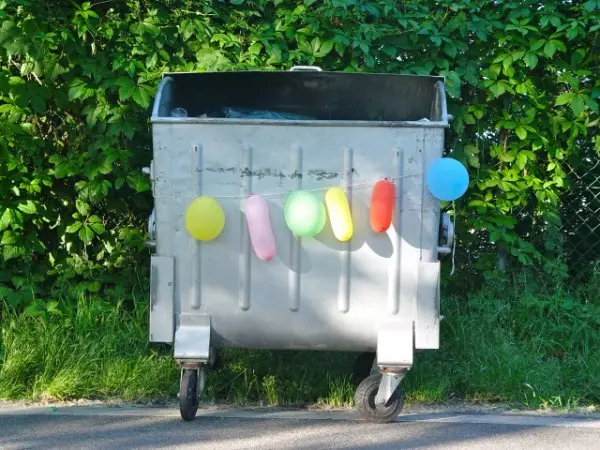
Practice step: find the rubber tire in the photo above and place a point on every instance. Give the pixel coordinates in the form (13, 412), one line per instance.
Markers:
(364, 399)
(362, 367)
(188, 394)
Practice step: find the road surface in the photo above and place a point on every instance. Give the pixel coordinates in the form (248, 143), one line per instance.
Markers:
(102, 427)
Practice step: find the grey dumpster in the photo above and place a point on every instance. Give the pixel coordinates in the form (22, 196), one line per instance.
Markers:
(376, 292)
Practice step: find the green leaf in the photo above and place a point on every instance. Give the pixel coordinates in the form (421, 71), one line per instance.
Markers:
(497, 89)
(82, 207)
(86, 234)
(538, 44)
(521, 160)
(522, 134)
(563, 99)
(521, 89)
(95, 224)
(255, 48)
(592, 104)
(315, 44)
(126, 88)
(93, 114)
(74, 227)
(450, 49)
(531, 60)
(555, 20)
(7, 219)
(28, 207)
(549, 49)
(13, 251)
(453, 84)
(62, 170)
(578, 105)
(9, 237)
(141, 97)
(79, 90)
(325, 48)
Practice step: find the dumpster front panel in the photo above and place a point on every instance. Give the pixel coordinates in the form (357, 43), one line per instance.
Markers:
(316, 293)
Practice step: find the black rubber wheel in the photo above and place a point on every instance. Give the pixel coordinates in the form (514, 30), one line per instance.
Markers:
(362, 367)
(188, 394)
(364, 399)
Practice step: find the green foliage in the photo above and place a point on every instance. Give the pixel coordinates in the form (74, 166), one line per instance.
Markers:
(77, 80)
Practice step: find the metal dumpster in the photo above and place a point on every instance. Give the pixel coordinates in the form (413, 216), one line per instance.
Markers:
(377, 292)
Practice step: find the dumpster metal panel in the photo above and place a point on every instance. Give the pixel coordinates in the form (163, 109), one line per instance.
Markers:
(293, 301)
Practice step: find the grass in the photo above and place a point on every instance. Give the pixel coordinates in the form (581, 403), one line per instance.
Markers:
(504, 344)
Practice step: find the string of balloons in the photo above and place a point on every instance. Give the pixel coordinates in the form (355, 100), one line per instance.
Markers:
(306, 214)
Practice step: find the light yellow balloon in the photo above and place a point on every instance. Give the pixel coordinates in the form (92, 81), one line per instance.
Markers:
(204, 218)
(339, 213)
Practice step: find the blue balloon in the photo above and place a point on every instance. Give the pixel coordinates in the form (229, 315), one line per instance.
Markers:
(447, 179)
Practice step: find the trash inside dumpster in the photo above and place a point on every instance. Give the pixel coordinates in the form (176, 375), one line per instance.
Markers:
(306, 216)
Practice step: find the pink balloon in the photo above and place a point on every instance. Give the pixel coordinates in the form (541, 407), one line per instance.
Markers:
(259, 227)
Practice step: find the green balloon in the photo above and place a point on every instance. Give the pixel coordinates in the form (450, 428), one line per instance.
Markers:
(304, 214)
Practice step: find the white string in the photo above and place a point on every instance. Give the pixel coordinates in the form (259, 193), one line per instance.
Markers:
(454, 239)
(277, 194)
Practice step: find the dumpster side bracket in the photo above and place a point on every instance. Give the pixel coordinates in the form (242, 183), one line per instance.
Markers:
(161, 298)
(395, 348)
(192, 338)
(395, 345)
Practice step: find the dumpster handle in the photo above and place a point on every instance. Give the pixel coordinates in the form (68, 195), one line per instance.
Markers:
(306, 69)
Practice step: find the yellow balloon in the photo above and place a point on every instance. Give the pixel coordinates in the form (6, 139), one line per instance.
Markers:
(204, 218)
(339, 213)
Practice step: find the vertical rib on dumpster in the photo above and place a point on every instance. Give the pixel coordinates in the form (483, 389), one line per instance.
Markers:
(295, 242)
(395, 261)
(245, 262)
(345, 253)
(196, 266)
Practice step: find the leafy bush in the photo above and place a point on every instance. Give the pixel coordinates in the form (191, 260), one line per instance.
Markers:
(76, 81)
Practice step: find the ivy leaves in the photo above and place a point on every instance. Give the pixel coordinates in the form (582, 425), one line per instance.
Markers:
(77, 81)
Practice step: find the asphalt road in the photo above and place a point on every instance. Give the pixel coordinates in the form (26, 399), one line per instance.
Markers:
(98, 428)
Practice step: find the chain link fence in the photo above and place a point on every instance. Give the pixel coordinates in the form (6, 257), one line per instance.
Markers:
(570, 235)
(580, 218)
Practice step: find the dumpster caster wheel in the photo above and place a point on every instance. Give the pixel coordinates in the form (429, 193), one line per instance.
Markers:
(188, 394)
(369, 410)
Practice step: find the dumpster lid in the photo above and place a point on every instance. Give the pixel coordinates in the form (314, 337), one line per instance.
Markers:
(318, 96)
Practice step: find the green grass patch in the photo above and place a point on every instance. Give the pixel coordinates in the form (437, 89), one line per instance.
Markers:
(86, 349)
(503, 345)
